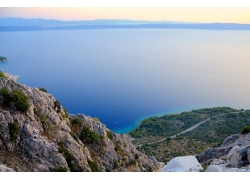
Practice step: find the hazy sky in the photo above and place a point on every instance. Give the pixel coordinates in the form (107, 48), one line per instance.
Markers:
(185, 14)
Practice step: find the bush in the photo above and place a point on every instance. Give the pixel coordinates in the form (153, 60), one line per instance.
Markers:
(89, 136)
(60, 169)
(43, 89)
(57, 105)
(96, 119)
(2, 75)
(93, 166)
(136, 156)
(69, 158)
(5, 96)
(110, 134)
(76, 125)
(245, 130)
(13, 131)
(21, 101)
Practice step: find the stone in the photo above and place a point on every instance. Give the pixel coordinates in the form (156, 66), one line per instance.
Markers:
(5, 169)
(216, 168)
(232, 151)
(239, 156)
(183, 164)
(223, 168)
(43, 140)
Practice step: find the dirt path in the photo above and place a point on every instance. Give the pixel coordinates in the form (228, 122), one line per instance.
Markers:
(189, 129)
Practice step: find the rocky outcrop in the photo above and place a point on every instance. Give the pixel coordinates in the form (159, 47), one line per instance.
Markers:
(227, 145)
(232, 156)
(5, 169)
(183, 164)
(49, 139)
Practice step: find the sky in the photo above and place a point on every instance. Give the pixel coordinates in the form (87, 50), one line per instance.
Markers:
(230, 11)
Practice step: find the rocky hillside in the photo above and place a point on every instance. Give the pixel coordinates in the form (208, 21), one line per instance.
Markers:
(232, 155)
(37, 134)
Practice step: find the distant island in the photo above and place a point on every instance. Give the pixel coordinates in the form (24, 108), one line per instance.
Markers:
(20, 24)
(3, 59)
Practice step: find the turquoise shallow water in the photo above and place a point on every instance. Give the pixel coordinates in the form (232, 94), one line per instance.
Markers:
(122, 76)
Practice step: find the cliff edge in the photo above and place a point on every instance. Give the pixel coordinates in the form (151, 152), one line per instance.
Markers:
(46, 138)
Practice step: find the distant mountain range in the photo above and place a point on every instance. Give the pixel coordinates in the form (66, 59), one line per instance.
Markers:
(20, 24)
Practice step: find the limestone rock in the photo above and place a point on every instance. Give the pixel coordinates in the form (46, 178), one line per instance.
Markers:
(224, 149)
(183, 164)
(5, 169)
(239, 156)
(223, 168)
(46, 141)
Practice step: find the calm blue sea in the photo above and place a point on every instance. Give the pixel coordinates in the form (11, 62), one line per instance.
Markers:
(122, 76)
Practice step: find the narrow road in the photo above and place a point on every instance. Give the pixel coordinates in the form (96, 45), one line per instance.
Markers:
(189, 129)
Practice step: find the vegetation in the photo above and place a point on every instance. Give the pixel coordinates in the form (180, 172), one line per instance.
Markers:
(13, 131)
(110, 134)
(21, 100)
(93, 166)
(76, 125)
(96, 119)
(2, 75)
(60, 169)
(73, 166)
(5, 96)
(65, 114)
(57, 106)
(245, 130)
(43, 89)
(209, 134)
(89, 136)
(49, 130)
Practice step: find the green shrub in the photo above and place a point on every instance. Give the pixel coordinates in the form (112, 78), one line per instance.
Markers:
(2, 75)
(73, 166)
(21, 101)
(245, 130)
(76, 125)
(93, 166)
(43, 89)
(57, 105)
(116, 148)
(13, 131)
(89, 136)
(5, 96)
(74, 136)
(65, 114)
(96, 119)
(110, 134)
(60, 169)
(136, 156)
(115, 164)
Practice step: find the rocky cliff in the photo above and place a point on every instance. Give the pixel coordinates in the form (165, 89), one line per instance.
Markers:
(46, 138)
(232, 156)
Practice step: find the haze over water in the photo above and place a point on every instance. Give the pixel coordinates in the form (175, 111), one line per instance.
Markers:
(124, 75)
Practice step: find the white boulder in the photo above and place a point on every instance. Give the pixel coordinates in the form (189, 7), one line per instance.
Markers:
(183, 164)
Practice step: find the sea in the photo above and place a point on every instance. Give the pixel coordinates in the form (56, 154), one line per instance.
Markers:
(123, 76)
